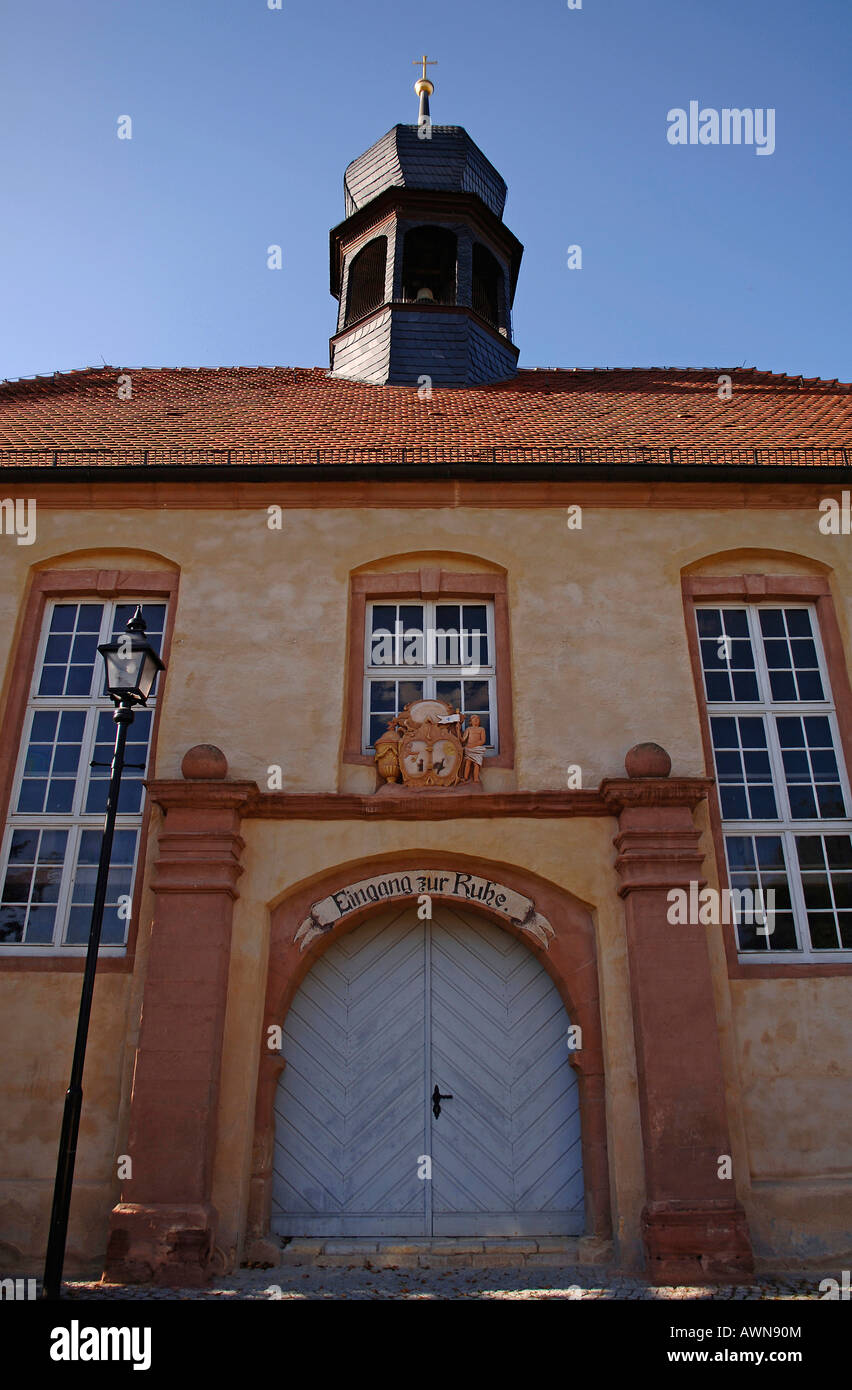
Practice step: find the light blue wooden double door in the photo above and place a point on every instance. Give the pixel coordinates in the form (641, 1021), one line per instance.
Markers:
(392, 1010)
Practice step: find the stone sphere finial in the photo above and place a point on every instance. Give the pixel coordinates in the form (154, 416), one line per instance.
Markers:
(204, 763)
(647, 760)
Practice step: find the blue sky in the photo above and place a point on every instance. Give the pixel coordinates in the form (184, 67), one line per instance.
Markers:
(152, 251)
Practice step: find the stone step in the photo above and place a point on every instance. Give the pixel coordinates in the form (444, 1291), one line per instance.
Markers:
(439, 1252)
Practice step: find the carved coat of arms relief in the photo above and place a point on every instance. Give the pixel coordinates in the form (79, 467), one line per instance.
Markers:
(423, 745)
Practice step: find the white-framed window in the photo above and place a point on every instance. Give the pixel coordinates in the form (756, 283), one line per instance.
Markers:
(783, 786)
(429, 649)
(52, 839)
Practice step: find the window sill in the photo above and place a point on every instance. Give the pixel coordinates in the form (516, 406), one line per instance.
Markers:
(747, 968)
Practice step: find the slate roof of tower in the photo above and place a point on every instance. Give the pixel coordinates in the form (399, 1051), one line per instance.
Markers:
(303, 408)
(448, 162)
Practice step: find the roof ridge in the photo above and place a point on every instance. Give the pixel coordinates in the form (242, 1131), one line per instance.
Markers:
(101, 369)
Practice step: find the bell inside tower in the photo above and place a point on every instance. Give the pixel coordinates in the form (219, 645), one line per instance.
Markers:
(429, 265)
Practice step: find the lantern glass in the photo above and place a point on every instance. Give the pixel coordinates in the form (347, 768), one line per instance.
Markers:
(147, 673)
(132, 664)
(123, 672)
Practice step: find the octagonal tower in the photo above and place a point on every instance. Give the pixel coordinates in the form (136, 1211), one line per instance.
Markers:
(423, 267)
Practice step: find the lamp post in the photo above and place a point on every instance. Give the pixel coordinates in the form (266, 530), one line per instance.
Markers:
(132, 666)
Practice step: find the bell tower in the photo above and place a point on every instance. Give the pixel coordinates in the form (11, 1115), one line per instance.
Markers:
(422, 266)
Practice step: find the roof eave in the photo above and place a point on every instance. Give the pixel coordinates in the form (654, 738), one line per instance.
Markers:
(484, 471)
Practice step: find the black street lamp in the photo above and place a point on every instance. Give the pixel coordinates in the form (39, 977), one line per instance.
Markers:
(132, 666)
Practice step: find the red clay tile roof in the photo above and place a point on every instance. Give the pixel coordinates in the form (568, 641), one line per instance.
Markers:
(293, 408)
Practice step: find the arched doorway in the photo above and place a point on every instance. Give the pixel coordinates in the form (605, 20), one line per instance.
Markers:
(393, 1009)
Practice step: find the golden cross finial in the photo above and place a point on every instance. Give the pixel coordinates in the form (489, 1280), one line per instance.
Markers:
(427, 62)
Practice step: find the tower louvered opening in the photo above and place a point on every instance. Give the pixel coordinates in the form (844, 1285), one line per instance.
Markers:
(485, 296)
(366, 290)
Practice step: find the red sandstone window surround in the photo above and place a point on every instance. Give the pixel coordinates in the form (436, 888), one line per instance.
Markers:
(776, 715)
(50, 799)
(429, 586)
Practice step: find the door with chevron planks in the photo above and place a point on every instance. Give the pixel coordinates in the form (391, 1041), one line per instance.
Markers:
(392, 1011)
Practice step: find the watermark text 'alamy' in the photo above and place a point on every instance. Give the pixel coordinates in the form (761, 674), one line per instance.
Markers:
(730, 126)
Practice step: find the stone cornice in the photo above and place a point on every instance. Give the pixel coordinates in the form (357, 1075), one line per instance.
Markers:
(612, 797)
(216, 795)
(623, 793)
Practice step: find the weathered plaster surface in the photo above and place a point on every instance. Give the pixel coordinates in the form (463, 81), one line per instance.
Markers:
(599, 663)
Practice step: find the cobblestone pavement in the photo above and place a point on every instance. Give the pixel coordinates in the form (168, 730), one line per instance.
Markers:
(432, 1284)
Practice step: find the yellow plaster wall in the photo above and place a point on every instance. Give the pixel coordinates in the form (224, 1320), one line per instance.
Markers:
(599, 662)
(38, 1020)
(796, 1076)
(599, 658)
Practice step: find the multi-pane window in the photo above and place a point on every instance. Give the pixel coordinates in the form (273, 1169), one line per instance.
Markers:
(53, 836)
(783, 788)
(438, 650)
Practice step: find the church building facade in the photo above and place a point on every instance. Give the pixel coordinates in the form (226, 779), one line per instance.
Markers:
(483, 868)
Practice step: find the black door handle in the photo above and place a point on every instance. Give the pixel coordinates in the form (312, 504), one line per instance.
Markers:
(436, 1102)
